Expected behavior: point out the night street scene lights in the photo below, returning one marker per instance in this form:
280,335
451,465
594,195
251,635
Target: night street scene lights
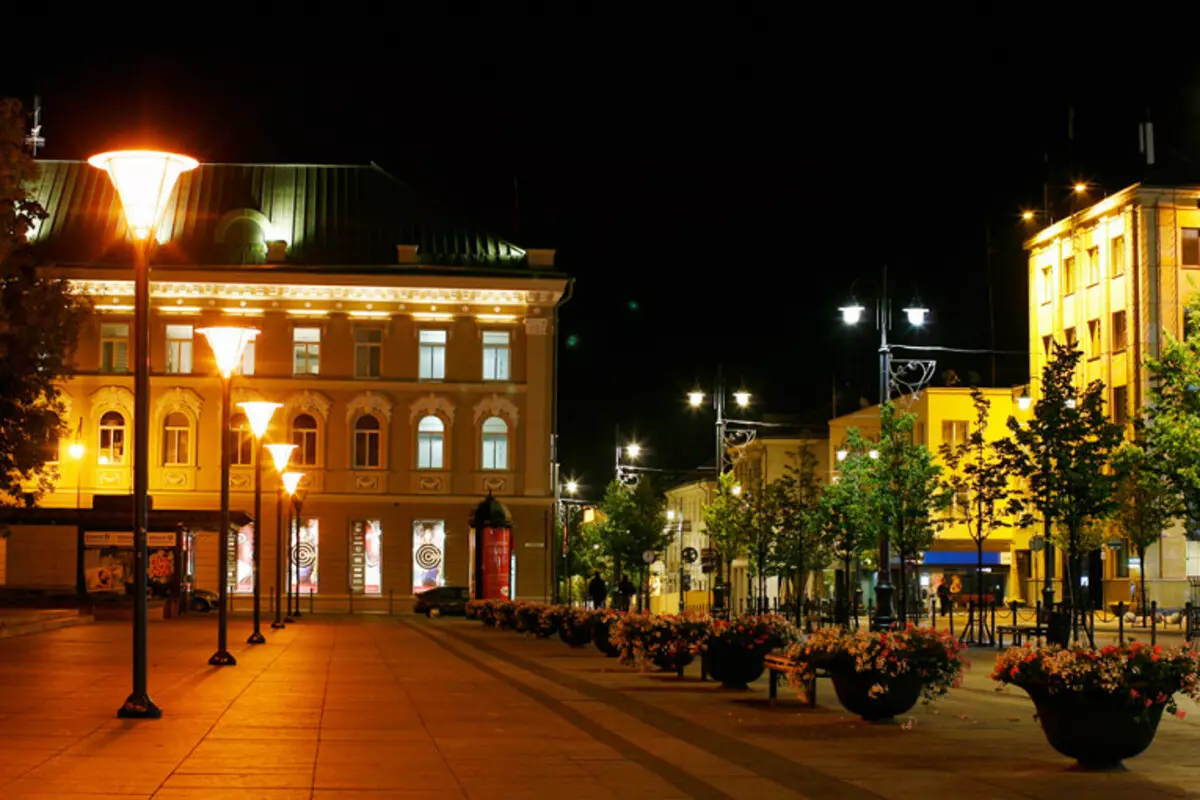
144,181
227,343
291,486
281,454
258,414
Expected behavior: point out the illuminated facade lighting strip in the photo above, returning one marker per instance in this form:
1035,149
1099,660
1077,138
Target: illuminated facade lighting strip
495,317
123,309
433,316
284,292
370,314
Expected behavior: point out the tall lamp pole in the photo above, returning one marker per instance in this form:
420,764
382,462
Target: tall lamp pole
258,414
294,561
144,180
280,455
227,344
291,482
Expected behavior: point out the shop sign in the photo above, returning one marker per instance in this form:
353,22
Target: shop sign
125,539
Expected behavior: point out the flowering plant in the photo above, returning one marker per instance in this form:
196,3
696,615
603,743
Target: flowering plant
504,613
550,619
647,637
162,566
574,618
528,616
478,609
934,655
767,631
1145,676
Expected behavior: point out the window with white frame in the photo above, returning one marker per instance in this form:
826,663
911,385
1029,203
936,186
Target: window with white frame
306,351
176,437
495,355
366,441
1116,259
432,354
241,441
495,444
112,438
114,348
179,349
246,365
304,436
368,352
431,433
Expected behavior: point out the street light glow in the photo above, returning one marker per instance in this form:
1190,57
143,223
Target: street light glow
1027,215
291,481
76,450
633,450
144,180
258,414
742,398
572,487
841,454
695,399
1080,188
916,315
873,454
227,343
671,514
852,314
1024,402
280,455
737,490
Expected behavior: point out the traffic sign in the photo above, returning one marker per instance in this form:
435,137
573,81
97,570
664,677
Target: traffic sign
1037,543
649,556
690,555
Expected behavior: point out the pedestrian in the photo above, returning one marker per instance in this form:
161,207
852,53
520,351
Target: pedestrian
597,590
943,593
625,589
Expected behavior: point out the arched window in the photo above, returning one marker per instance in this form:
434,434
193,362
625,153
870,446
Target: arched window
495,444
304,436
241,441
366,442
176,450
430,438
112,438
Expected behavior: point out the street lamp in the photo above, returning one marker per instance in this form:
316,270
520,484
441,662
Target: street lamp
227,343
291,482
633,450
144,180
572,487
280,455
258,414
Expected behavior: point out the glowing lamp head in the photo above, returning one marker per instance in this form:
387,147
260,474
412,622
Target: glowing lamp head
1027,215
633,450
852,314
874,454
259,414
841,454
1070,402
695,398
671,514
291,481
281,454
1024,402
916,315
742,398
737,490
144,180
227,343
76,450
1081,188
572,487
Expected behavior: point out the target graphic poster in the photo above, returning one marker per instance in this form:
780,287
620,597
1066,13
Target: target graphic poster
429,547
304,557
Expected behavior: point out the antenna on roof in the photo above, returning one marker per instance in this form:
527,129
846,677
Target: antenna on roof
34,139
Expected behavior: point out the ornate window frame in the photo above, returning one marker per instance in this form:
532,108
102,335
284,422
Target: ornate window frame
432,405
496,405
183,401
375,404
317,406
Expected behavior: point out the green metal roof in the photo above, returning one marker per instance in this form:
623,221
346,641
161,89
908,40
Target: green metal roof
223,214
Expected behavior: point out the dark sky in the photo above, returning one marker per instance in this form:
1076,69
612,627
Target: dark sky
716,205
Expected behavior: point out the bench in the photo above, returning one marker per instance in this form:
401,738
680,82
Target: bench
778,664
1018,632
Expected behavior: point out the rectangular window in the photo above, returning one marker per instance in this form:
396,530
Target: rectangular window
1190,250
1116,258
179,349
1071,338
1094,338
241,554
428,548
954,432
306,350
432,355
1093,265
1121,557
1068,276
366,557
305,557
1120,404
495,355
1047,346
114,348
246,367
1047,284
1118,331
368,352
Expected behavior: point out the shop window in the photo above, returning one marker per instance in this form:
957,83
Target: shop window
112,439
305,557
428,548
366,557
304,436
241,441
430,440
366,442
495,444
1120,556
176,440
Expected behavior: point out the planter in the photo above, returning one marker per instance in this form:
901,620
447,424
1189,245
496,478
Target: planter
575,635
603,644
854,692
673,662
735,667
1096,729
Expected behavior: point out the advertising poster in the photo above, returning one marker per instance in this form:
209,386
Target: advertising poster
305,557
429,562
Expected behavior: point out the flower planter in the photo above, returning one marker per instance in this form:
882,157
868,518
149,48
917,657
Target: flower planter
1097,729
854,692
673,662
602,641
575,635
735,667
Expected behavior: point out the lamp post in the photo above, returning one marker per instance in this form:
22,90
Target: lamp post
571,487
291,482
280,455
144,180
294,560
258,414
227,344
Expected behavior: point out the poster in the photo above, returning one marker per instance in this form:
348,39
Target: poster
366,557
429,561
242,556
497,563
305,557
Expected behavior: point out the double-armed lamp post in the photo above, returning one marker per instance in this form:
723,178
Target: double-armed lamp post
144,180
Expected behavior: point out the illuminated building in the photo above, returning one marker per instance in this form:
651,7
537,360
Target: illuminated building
413,356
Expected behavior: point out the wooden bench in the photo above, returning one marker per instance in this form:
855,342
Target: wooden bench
1018,633
779,664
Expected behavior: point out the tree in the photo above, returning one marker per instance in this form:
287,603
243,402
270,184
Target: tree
1146,503
584,554
978,484
904,491
40,319
726,520
635,521
1171,430
844,514
1064,453
793,502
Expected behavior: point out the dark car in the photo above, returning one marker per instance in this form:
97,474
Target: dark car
445,599
204,600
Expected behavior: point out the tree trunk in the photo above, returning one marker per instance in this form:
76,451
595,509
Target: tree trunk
1142,580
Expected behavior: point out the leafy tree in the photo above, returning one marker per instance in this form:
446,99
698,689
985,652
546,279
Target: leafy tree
635,521
726,520
793,502
978,483
40,319
904,491
1146,502
1064,453
584,556
1172,416
844,513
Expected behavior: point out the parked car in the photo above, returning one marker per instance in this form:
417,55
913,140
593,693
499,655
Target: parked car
204,600
443,599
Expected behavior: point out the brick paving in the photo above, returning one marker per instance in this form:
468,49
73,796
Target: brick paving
374,707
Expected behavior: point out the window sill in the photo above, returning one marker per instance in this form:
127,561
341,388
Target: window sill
1094,358
1119,351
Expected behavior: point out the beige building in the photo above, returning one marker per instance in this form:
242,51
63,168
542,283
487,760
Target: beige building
413,357
685,507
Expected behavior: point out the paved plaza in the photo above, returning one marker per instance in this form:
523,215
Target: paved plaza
379,707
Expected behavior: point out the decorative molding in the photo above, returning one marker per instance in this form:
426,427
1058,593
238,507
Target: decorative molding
112,398
239,480
307,401
172,290
370,402
366,482
430,483
497,406
495,485
536,326
237,215
178,399
175,480
431,404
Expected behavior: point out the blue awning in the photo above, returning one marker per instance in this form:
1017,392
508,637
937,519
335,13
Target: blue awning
934,558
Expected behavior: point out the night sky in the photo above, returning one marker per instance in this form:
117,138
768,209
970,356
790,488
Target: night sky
715,206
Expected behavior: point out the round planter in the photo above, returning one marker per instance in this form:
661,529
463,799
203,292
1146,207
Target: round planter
673,662
854,693
545,631
735,667
575,635
1096,729
603,643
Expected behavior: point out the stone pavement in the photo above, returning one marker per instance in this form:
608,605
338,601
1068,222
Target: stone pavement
367,707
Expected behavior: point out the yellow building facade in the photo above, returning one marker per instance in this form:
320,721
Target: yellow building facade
413,358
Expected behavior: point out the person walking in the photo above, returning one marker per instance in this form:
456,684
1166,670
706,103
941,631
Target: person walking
597,590
943,594
626,589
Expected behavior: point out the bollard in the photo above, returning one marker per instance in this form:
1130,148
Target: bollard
1153,622
1121,624
391,600
310,600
